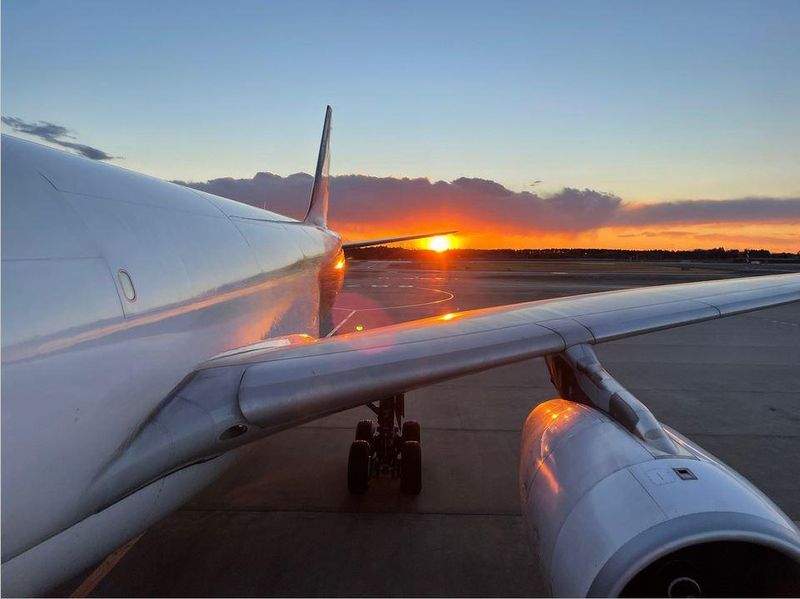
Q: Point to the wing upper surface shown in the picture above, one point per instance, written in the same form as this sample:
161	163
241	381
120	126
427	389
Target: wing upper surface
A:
245	394
302	381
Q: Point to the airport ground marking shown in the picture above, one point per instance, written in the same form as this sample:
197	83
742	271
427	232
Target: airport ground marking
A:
101	571
338	326
354	310
439	301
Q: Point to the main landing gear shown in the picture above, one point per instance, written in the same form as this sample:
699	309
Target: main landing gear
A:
390	448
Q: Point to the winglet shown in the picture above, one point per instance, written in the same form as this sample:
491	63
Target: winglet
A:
318	208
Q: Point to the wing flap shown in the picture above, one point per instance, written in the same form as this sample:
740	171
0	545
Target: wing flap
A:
634	320
357	371
752	299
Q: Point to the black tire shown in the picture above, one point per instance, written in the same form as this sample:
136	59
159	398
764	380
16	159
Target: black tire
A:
411	431
411	464
358	467
364	431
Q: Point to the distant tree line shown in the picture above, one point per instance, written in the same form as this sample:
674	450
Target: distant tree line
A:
701	255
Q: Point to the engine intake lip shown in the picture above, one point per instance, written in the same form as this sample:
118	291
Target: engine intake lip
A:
686	531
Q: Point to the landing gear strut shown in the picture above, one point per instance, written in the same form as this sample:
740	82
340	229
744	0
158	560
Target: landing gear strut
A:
390	447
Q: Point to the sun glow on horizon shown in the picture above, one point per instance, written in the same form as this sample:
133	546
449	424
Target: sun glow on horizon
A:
440	243
474	235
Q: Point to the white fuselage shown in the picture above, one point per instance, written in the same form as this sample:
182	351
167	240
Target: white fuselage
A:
114	286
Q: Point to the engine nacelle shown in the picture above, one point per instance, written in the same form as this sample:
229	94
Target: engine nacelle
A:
607	514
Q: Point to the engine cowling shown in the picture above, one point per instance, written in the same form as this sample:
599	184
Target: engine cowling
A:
607	515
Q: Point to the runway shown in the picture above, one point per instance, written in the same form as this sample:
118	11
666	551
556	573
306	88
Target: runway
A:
281	522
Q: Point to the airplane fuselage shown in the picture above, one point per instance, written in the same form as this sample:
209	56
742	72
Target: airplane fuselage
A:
114	286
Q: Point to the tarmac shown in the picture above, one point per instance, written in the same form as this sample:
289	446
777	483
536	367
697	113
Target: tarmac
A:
282	523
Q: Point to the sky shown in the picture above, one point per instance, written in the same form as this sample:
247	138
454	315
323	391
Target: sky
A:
678	102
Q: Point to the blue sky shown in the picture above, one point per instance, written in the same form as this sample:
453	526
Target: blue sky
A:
646	100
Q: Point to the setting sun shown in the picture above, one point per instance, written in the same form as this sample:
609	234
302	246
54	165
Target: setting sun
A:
440	243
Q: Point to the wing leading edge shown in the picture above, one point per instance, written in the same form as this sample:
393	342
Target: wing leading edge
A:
245	394
350	370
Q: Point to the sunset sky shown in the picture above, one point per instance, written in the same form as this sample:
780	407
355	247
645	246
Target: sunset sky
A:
648	125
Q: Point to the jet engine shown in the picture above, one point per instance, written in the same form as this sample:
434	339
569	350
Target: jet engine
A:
615	504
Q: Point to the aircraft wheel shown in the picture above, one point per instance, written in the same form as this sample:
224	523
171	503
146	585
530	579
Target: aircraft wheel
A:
365	430
411	464
358	467
411	431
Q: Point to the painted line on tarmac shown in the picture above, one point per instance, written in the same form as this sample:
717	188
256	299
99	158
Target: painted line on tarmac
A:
353	311
101	571
344	320
439	301
791	324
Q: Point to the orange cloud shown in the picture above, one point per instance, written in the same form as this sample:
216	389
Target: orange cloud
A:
489	215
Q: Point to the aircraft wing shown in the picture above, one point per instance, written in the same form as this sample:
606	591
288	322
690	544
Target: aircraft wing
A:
363	244
250	392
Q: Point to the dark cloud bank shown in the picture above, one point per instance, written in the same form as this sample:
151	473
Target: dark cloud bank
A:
361	201
55	134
